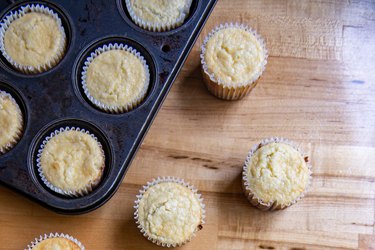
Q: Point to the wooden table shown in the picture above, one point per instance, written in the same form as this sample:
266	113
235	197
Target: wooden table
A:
318	90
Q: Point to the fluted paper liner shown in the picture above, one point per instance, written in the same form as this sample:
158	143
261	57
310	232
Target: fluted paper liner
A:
161	180
159	27
77	193
54	235
17	137
110	108
9	18
251	196
221	88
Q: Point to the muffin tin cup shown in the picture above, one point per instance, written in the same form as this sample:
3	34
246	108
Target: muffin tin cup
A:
12	16
51	236
17	137
221	88
115	109
161	180
251	196
79	193
158	27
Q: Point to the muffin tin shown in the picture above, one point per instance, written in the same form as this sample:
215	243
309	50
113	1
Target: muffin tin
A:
55	98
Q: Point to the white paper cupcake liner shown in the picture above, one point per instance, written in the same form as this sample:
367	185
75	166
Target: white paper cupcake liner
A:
159	27
76	193
251	196
4	149
108	108
8	19
161	180
54	235
220	87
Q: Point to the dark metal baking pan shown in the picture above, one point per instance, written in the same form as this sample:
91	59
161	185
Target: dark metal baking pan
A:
54	99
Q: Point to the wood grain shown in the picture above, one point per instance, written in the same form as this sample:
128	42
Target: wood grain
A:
318	90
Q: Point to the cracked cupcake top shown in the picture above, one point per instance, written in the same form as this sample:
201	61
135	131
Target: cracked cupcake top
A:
277	173
234	56
34	39
72	160
170	212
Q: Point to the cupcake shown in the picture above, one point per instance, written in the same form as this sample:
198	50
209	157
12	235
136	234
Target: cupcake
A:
11	122
233	58
55	241
169	212
276	174
32	39
158	15
71	162
115	78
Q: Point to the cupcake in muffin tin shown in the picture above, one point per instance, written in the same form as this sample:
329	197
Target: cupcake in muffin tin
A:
115	78
71	161
32	39
11	122
158	15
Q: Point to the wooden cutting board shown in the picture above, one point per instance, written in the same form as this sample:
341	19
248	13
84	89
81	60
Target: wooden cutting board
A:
318	90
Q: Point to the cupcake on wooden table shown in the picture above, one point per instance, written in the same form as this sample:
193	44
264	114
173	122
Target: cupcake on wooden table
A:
158	15
71	161
11	122
169	212
233	58
32	39
115	78
55	241
276	174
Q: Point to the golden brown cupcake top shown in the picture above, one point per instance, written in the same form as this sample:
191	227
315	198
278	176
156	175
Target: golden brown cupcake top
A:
170	212
159	11
34	39
278	173
234	56
72	160
117	78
